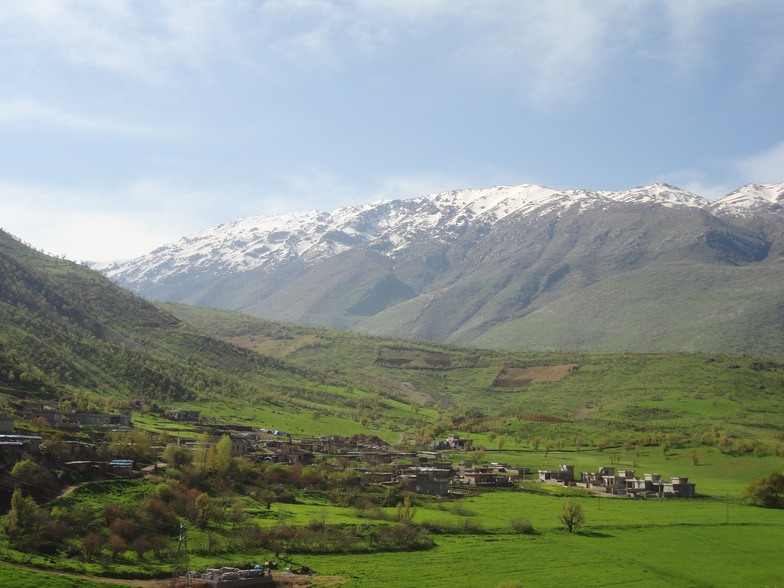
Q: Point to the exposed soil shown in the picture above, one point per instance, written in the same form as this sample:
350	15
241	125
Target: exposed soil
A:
520	377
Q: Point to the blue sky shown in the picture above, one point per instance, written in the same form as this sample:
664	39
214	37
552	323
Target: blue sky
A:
125	124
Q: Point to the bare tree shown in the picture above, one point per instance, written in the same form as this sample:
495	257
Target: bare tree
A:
571	515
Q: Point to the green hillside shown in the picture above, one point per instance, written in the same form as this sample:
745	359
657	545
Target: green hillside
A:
68	335
67	330
621	396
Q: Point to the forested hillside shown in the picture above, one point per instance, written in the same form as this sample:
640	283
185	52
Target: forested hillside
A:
66	327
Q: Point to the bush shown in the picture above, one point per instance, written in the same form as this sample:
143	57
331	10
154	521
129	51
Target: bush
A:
523	526
767	491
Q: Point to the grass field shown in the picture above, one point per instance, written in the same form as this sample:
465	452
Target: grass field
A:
650	543
713	540
13	577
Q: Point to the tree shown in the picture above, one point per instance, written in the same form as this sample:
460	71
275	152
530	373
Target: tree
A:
116	545
548	446
204	509
405	511
223	455
135	445
177	456
24	518
767	491
141	545
92	543
571	515
34	479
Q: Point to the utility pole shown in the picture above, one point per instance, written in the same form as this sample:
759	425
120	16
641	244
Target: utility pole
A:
182	554
728	508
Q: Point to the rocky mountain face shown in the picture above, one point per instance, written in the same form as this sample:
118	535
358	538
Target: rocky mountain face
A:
651	268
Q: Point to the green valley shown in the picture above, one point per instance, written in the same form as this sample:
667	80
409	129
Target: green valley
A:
254	441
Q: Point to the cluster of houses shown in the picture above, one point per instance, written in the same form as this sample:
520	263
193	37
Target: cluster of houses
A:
620	483
74	420
442	478
421	473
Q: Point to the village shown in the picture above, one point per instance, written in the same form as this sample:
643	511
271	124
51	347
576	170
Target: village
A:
423	471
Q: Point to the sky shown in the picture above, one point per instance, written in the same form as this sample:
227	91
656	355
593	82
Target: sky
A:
127	124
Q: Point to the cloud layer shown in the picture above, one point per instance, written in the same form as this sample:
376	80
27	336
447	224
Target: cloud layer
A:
159	118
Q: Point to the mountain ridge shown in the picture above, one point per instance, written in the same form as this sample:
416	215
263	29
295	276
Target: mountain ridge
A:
495	254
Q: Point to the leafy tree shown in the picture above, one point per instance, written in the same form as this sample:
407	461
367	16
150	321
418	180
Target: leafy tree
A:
405	511
767	491
223	455
177	456
135	445
205	509
571	515
24	518
33	478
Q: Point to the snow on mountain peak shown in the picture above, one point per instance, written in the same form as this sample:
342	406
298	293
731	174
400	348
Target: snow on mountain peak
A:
752	198
663	194
394	225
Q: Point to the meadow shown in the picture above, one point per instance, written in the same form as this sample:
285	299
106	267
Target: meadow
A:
716	539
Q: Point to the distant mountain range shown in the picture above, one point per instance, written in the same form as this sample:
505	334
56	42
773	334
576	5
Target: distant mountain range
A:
654	268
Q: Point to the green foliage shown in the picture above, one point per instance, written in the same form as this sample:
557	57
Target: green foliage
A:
24	518
405	511
223	455
767	491
521	525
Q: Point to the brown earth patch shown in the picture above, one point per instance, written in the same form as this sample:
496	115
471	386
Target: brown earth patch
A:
543	418
412	358
367	441
520	377
420	359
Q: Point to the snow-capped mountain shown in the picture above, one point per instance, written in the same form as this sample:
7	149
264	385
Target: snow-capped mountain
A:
269	241
478	266
752	198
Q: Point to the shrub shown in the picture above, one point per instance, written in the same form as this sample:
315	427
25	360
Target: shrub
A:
523	526
767	491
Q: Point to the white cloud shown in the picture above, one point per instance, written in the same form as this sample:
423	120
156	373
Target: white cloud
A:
105	224
549	50
29	112
320	189
144	41
766	167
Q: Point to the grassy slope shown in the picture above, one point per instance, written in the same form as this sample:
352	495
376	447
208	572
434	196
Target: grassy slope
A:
616	393
705	542
65	327
668	307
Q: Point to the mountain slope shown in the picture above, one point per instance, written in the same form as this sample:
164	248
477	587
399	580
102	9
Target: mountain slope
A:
66	327
502	267
66	330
